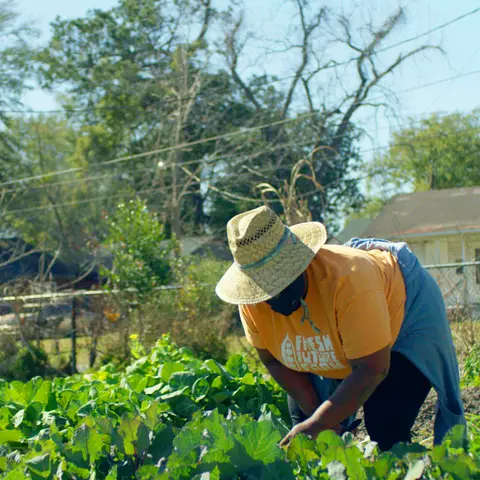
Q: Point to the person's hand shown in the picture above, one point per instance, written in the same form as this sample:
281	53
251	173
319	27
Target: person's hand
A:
309	427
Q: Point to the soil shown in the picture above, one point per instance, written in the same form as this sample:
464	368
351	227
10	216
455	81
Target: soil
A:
423	428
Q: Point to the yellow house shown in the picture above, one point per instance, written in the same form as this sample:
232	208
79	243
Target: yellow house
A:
442	227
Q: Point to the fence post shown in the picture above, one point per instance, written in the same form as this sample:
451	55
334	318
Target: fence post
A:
73	328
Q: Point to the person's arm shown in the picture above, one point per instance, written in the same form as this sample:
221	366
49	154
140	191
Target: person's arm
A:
297	384
367	374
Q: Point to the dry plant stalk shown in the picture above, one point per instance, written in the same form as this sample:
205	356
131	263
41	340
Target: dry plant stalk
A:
295	208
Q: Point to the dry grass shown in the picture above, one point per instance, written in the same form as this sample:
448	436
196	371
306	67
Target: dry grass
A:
105	344
466	334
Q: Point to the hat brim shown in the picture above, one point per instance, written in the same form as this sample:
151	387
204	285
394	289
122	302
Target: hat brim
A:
247	287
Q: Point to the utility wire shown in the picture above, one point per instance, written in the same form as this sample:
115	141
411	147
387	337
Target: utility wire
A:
239	158
209	139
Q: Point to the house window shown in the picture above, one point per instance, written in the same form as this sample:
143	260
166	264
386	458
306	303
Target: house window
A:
477	267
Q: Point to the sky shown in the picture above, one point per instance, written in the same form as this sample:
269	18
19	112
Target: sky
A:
460	43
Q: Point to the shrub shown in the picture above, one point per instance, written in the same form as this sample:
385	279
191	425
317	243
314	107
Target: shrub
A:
27	363
194	315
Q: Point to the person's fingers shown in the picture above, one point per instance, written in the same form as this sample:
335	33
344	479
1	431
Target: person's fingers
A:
285	441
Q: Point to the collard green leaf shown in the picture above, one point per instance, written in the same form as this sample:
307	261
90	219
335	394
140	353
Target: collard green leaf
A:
40	465
128	430
236	366
7	436
168	368
89	442
260	440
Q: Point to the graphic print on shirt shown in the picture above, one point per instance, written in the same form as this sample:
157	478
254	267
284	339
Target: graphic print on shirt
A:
310	353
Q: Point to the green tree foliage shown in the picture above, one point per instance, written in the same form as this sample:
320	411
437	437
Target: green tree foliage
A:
134	70
15	56
441	151
16	67
141	253
56	212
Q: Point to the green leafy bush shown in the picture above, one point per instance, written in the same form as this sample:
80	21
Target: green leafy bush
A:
141	252
24	364
194	316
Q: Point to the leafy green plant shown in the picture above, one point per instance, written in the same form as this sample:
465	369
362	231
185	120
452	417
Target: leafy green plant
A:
141	252
471	368
25	364
170	415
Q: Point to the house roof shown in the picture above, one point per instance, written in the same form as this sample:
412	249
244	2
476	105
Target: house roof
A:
423	213
354	228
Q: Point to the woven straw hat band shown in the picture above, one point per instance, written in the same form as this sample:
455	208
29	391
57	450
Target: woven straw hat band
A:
254	235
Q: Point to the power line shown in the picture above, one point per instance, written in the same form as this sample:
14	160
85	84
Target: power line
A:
434	29
217	137
240	158
161	150
277	80
208	186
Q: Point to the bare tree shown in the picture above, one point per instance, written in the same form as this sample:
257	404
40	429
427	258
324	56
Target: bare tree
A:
320	32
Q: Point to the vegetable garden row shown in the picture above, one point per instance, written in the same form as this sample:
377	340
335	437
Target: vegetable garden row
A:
170	415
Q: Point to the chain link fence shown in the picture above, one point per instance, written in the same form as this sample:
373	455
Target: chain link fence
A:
93	324
460	286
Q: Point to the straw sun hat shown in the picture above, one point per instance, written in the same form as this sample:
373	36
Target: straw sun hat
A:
268	256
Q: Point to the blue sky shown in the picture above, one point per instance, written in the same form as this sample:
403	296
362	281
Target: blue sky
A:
461	43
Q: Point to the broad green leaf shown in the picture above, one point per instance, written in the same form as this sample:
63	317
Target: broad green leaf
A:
188	439
64	398
457	437
142	443
236	366
89	442
40	465
154	389
179	380
248	379
17	393
383	464
275	421
200	387
402	449
112	474
42	393
260	440
459	467
146	472
168	368
183	406
354	463
278	470
129	431
302	451
213	366
7	436
218	383
16	474
162	443
137	382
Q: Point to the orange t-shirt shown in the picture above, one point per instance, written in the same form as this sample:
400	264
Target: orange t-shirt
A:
355	298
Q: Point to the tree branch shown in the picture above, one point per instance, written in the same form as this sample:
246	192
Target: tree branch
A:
232	55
